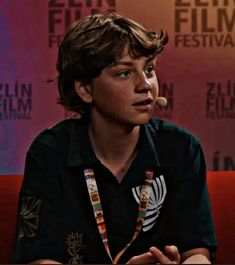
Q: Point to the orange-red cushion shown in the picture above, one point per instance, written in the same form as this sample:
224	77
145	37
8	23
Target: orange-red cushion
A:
9	192
221	186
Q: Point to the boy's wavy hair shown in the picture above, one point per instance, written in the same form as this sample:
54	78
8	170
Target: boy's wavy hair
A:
95	42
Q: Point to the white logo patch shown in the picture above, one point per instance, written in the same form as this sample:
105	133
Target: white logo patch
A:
157	197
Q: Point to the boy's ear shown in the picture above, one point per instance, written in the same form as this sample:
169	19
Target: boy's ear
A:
83	91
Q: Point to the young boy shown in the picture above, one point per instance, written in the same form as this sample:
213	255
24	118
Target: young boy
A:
113	186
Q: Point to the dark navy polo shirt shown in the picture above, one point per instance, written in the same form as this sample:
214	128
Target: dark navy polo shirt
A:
55	216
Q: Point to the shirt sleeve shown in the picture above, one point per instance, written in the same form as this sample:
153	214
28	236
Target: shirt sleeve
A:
39	218
191	211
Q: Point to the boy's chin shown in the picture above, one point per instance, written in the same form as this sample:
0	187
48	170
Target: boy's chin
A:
142	121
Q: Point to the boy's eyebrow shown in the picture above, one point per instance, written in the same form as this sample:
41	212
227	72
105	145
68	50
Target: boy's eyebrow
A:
150	59
129	63
122	63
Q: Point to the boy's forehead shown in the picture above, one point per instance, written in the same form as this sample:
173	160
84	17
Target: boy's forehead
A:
128	56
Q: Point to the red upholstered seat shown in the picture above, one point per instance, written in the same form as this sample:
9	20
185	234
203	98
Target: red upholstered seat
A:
221	185
9	192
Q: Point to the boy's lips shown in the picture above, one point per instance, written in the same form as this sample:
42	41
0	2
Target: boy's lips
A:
146	101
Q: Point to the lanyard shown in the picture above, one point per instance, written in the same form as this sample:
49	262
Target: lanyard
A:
98	212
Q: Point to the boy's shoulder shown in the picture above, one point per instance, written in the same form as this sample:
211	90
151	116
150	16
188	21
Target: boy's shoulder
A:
172	131
57	135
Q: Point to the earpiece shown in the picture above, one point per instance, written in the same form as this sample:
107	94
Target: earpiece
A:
161	102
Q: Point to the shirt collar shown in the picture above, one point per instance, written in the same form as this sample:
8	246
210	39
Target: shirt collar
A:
81	152
147	147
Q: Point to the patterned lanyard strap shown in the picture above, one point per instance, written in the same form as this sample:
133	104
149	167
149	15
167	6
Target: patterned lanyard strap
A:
98	212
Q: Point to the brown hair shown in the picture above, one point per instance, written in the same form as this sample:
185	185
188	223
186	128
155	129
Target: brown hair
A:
93	43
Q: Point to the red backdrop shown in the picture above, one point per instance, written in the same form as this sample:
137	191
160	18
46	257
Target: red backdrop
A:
196	70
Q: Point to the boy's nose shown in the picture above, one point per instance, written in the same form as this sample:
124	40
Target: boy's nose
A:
143	83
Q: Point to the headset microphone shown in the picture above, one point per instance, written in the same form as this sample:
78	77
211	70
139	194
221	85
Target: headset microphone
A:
161	102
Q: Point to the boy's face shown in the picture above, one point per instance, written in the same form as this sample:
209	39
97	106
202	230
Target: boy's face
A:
126	91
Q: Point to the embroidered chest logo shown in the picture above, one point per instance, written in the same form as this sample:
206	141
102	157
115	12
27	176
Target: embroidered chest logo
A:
29	216
74	242
157	197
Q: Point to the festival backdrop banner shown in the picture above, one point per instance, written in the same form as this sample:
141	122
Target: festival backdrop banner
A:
195	71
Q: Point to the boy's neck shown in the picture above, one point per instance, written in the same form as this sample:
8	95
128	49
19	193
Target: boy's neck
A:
111	142
114	146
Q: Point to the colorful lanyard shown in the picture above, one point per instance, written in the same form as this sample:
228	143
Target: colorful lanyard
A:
98	212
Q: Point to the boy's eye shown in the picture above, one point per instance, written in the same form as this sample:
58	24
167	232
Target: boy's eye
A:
124	74
149	70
